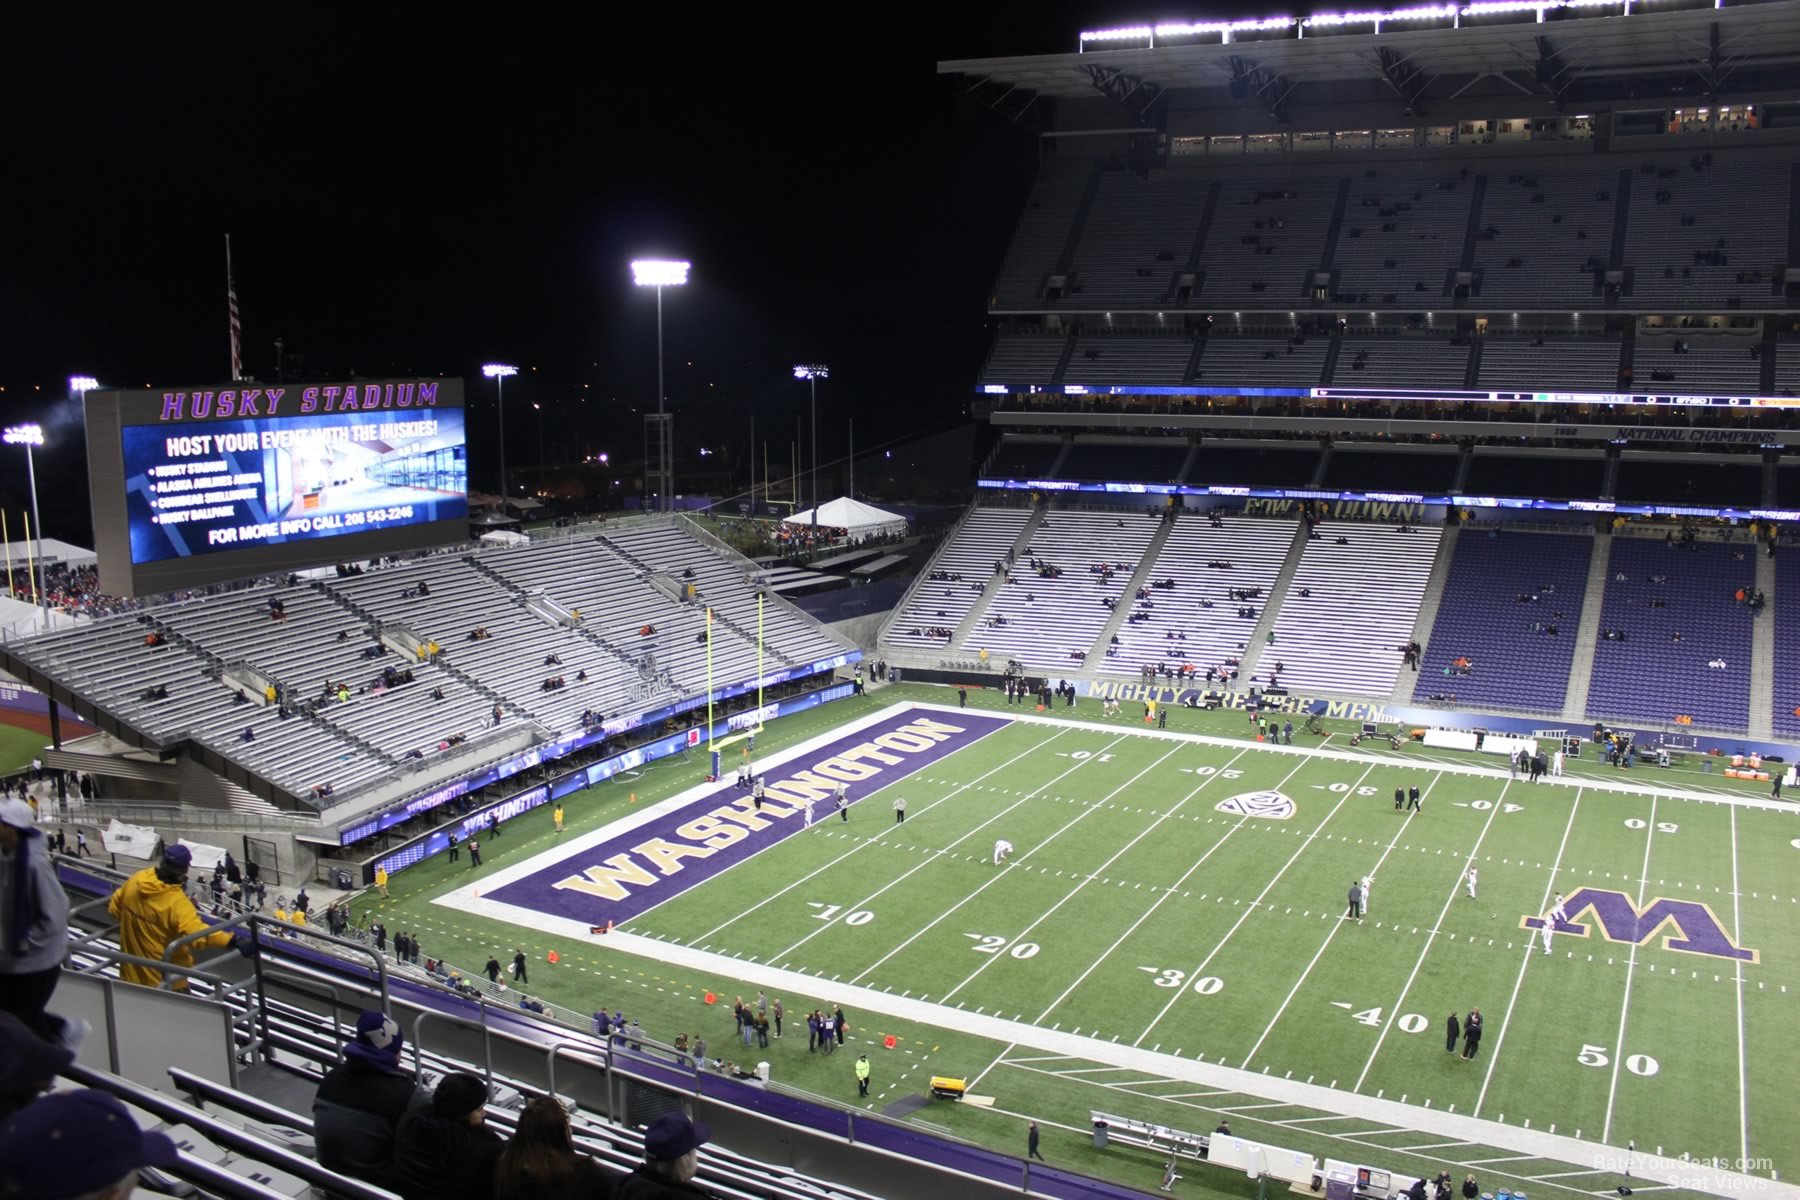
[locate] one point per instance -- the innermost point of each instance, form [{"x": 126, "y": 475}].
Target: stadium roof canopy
[{"x": 1565, "y": 50}]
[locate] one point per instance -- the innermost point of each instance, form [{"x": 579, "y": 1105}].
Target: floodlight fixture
[
  {"x": 659, "y": 272},
  {"x": 812, "y": 371},
  {"x": 80, "y": 385},
  {"x": 24, "y": 435},
  {"x": 498, "y": 370},
  {"x": 29, "y": 436}
]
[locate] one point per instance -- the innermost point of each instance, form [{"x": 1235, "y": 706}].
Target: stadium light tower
[
  {"x": 29, "y": 436},
  {"x": 660, "y": 273},
  {"x": 81, "y": 385},
  {"x": 498, "y": 373},
  {"x": 812, "y": 373}
]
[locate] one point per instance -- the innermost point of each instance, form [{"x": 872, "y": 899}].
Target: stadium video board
[{"x": 202, "y": 486}]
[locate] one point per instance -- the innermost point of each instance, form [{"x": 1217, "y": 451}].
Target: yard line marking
[
  {"x": 1630, "y": 970},
  {"x": 1086, "y": 811},
  {"x": 1482, "y": 1162},
  {"x": 872, "y": 841},
  {"x": 1455, "y": 886},
  {"x": 1738, "y": 940},
  {"x": 1147, "y": 831},
  {"x": 1252, "y": 906},
  {"x": 1430, "y": 1146},
  {"x": 1167, "y": 892},
  {"x": 1506, "y": 1017},
  {"x": 1337, "y": 925}
]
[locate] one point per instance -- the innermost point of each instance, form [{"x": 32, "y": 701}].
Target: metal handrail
[{"x": 254, "y": 922}]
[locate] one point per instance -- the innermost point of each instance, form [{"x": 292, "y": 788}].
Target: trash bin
[
  {"x": 1706, "y": 766},
  {"x": 1099, "y": 1135},
  {"x": 762, "y": 1071}
]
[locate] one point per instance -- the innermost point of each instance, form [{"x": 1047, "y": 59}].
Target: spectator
[
  {"x": 445, "y": 1151},
  {"x": 671, "y": 1158},
  {"x": 78, "y": 1145},
  {"x": 362, "y": 1100},
  {"x": 540, "y": 1163},
  {"x": 153, "y": 910},
  {"x": 34, "y": 921},
  {"x": 28, "y": 1064}
]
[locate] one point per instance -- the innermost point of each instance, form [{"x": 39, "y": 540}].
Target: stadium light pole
[
  {"x": 29, "y": 436},
  {"x": 812, "y": 373},
  {"x": 660, "y": 273},
  {"x": 81, "y": 385},
  {"x": 498, "y": 373}
]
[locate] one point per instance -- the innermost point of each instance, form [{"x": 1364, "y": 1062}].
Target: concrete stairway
[
  {"x": 1581, "y": 669},
  {"x": 1762, "y": 653},
  {"x": 1271, "y": 605},
  {"x": 996, "y": 581},
  {"x": 1096, "y": 654},
  {"x": 1428, "y": 609}
]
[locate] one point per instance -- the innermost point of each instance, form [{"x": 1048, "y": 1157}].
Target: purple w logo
[{"x": 1696, "y": 930}]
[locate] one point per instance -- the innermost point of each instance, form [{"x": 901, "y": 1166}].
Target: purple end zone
[{"x": 641, "y": 867}]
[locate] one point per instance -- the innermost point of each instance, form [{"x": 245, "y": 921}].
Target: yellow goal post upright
[{"x": 716, "y": 745}]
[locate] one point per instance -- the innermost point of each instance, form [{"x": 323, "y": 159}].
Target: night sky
[{"x": 424, "y": 197}]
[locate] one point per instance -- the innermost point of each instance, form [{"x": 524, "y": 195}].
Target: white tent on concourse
[{"x": 862, "y": 520}]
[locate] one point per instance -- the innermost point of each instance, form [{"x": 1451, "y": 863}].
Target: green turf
[
  {"x": 1136, "y": 912},
  {"x": 18, "y": 747}
]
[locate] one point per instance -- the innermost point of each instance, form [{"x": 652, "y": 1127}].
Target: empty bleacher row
[
  {"x": 1512, "y": 607},
  {"x": 1048, "y": 616},
  {"x": 1176, "y": 629},
  {"x": 1785, "y": 612},
  {"x": 1420, "y": 361},
  {"x": 1543, "y": 238},
  {"x": 1690, "y": 363},
  {"x": 1350, "y": 608},
  {"x": 1673, "y": 606},
  {"x": 350, "y": 716}
]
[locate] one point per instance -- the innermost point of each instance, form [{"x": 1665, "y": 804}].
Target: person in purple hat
[
  {"x": 153, "y": 910},
  {"x": 80, "y": 1145},
  {"x": 671, "y": 1158},
  {"x": 360, "y": 1102},
  {"x": 28, "y": 1064},
  {"x": 34, "y": 926}
]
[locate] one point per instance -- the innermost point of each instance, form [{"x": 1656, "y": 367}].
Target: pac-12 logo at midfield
[
  {"x": 1686, "y": 926},
  {"x": 1270, "y": 805}
]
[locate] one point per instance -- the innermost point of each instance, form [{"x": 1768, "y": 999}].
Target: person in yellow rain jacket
[{"x": 153, "y": 910}]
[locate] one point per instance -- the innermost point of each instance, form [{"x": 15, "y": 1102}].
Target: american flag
[{"x": 231, "y": 307}]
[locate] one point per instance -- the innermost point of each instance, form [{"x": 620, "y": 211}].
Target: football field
[{"x": 1185, "y": 897}]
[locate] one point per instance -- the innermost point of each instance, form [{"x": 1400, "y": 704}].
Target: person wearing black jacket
[
  {"x": 361, "y": 1102},
  {"x": 446, "y": 1151},
  {"x": 1452, "y": 1031}
]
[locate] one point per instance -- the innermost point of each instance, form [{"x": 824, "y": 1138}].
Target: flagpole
[
  {"x": 6, "y": 540},
  {"x": 30, "y": 566},
  {"x": 237, "y": 366}
]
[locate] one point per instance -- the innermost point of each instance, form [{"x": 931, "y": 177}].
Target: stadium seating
[
  {"x": 1043, "y": 229},
  {"x": 1021, "y": 358},
  {"x": 1137, "y": 237},
  {"x": 1022, "y": 458},
  {"x": 1267, "y": 236},
  {"x": 1687, "y": 251},
  {"x": 1050, "y": 623},
  {"x": 1403, "y": 235},
  {"x": 1550, "y": 220},
  {"x": 1787, "y": 366},
  {"x": 1784, "y": 610},
  {"x": 981, "y": 540},
  {"x": 1124, "y": 359},
  {"x": 1406, "y": 362},
  {"x": 1481, "y": 618},
  {"x": 1651, "y": 677},
  {"x": 1254, "y": 548},
  {"x": 1139, "y": 460},
  {"x": 1692, "y": 363},
  {"x": 1560, "y": 474},
  {"x": 334, "y": 630},
  {"x": 1576, "y": 364},
  {"x": 1283, "y": 361},
  {"x": 1346, "y": 636}
]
